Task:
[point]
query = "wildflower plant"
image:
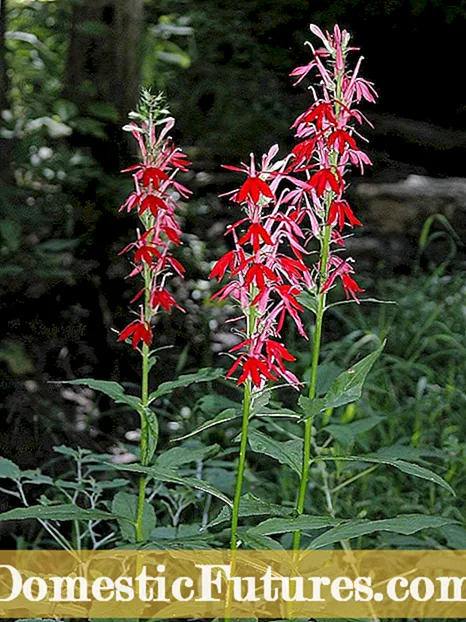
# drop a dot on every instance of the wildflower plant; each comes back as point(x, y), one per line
point(288, 206)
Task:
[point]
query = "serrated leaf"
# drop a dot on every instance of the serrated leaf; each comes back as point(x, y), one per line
point(259, 542)
point(345, 389)
point(9, 470)
point(207, 374)
point(288, 452)
point(251, 506)
point(345, 433)
point(171, 477)
point(309, 301)
point(110, 388)
point(63, 512)
point(406, 525)
point(125, 505)
point(230, 414)
point(150, 425)
point(177, 456)
point(287, 525)
point(407, 467)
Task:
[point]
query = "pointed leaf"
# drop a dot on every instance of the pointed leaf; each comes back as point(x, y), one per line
point(347, 387)
point(406, 525)
point(203, 375)
point(402, 465)
point(110, 388)
point(177, 456)
point(150, 423)
point(288, 452)
point(125, 505)
point(63, 512)
point(9, 469)
point(251, 506)
point(259, 542)
point(171, 477)
point(287, 525)
point(230, 414)
point(345, 433)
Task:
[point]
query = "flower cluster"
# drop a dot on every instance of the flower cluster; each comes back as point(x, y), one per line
point(277, 199)
point(154, 199)
point(264, 277)
point(327, 147)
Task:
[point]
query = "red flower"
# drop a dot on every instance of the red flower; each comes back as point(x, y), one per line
point(325, 180)
point(153, 175)
point(140, 330)
point(257, 370)
point(339, 210)
point(319, 114)
point(164, 299)
point(253, 188)
point(145, 253)
point(350, 286)
point(227, 261)
point(278, 352)
point(153, 203)
point(340, 138)
point(255, 233)
point(257, 274)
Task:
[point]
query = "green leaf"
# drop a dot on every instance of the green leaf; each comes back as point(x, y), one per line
point(150, 424)
point(287, 525)
point(406, 525)
point(178, 456)
point(206, 374)
point(9, 469)
point(125, 505)
point(407, 467)
point(63, 512)
point(171, 477)
point(110, 388)
point(288, 452)
point(309, 301)
point(251, 506)
point(259, 542)
point(345, 433)
point(230, 414)
point(345, 389)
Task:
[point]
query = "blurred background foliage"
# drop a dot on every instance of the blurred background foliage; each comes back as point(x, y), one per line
point(70, 71)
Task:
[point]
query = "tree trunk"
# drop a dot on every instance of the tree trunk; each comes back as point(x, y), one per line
point(103, 64)
point(6, 171)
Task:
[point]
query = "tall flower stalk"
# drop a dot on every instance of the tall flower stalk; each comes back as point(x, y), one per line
point(153, 199)
point(264, 280)
point(327, 148)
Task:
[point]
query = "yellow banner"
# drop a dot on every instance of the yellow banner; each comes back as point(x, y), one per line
point(245, 584)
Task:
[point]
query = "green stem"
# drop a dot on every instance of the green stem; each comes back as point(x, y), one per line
point(316, 342)
point(144, 402)
point(241, 465)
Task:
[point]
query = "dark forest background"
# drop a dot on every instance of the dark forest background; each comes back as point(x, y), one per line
point(71, 70)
